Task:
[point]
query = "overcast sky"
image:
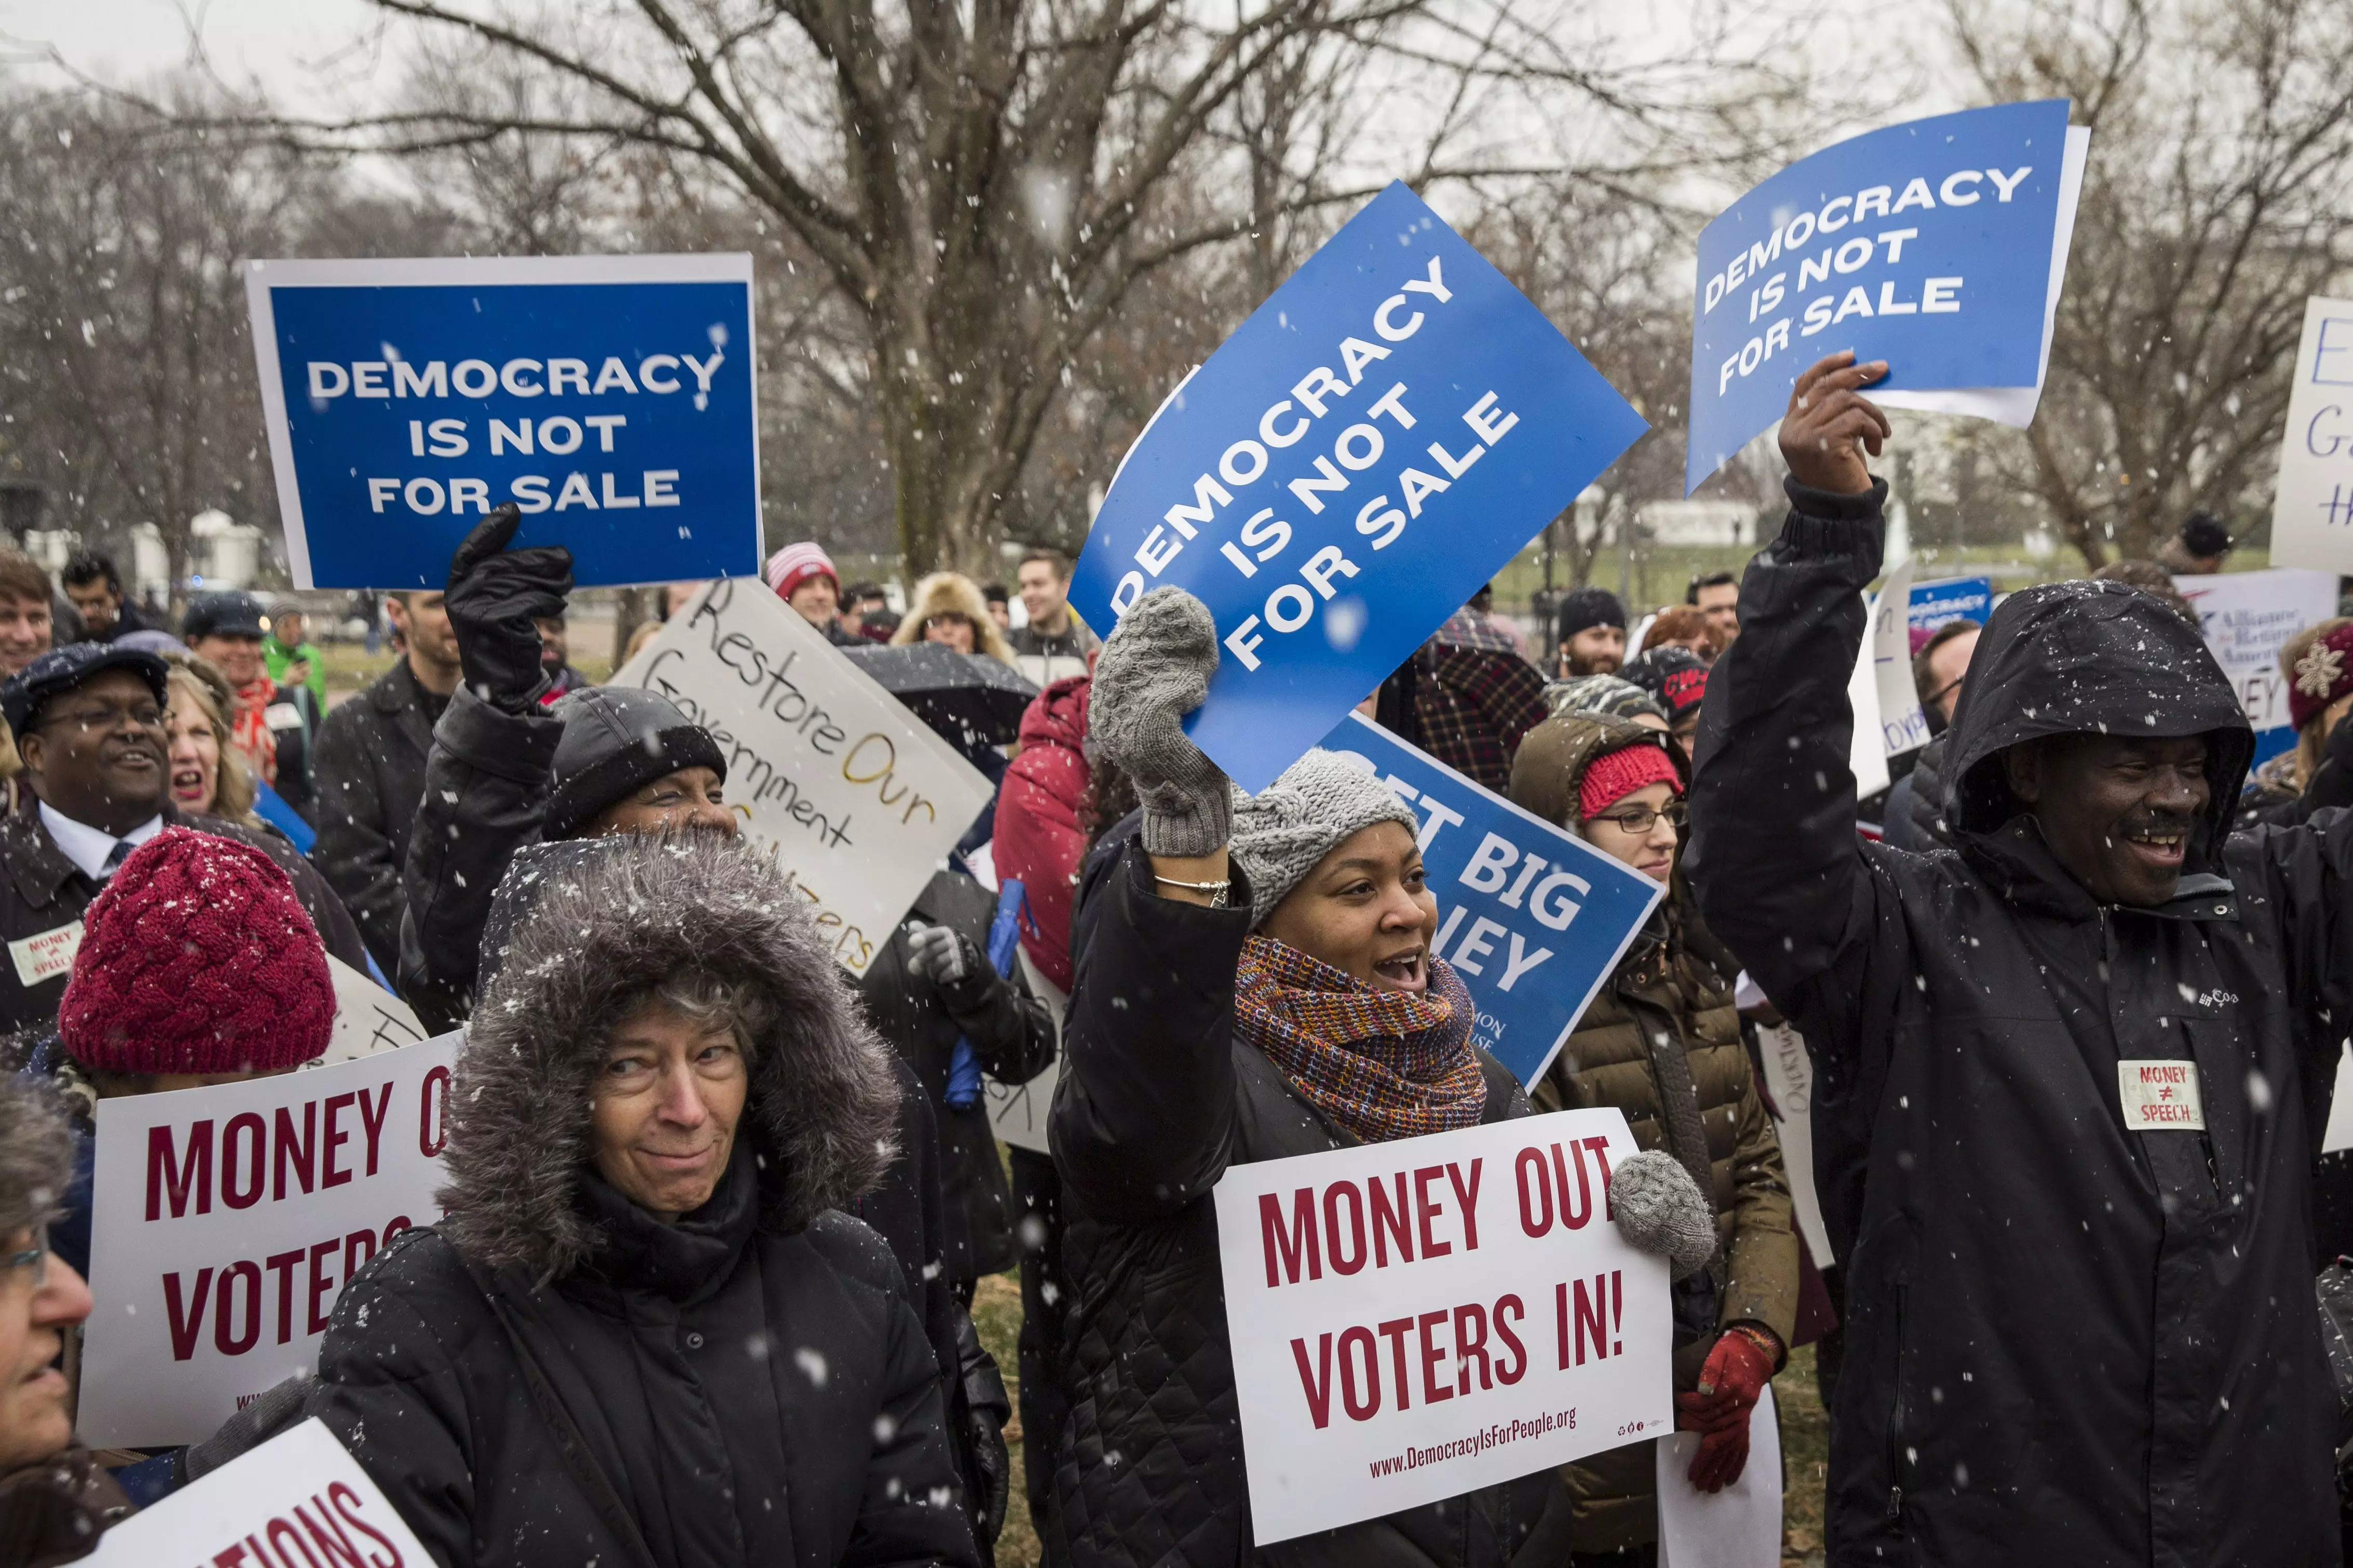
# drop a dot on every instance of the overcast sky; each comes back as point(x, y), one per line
point(311, 53)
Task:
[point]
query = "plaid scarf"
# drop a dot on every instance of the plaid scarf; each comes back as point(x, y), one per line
point(248, 729)
point(1383, 1065)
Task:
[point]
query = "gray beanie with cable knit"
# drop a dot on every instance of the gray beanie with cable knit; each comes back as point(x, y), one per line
point(1280, 833)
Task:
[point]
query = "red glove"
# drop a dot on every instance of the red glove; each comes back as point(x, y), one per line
point(1730, 1383)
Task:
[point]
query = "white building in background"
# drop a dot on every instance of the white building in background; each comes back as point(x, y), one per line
point(227, 554)
point(149, 565)
point(52, 547)
point(1702, 523)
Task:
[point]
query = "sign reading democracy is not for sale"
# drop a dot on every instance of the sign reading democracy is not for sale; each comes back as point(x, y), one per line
point(1412, 1321)
point(1391, 425)
point(856, 798)
point(224, 1221)
point(1937, 246)
point(609, 397)
point(1531, 917)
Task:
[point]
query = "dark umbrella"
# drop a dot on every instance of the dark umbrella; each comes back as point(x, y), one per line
point(963, 697)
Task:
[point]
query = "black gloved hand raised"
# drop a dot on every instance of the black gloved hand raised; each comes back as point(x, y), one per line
point(496, 598)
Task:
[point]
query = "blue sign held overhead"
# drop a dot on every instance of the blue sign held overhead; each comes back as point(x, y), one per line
point(611, 397)
point(1937, 246)
point(1950, 599)
point(1531, 916)
point(1389, 429)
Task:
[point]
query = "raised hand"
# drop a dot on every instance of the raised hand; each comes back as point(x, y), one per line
point(1830, 425)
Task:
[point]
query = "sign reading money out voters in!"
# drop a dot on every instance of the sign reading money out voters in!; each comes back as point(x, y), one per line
point(225, 1220)
point(1937, 246)
point(856, 798)
point(299, 1501)
point(2312, 512)
point(610, 397)
point(1531, 917)
point(1390, 426)
point(1412, 1321)
point(2246, 616)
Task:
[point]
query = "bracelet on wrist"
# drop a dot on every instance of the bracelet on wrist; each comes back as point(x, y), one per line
point(1217, 892)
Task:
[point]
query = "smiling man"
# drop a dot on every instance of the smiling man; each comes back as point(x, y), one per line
point(2066, 1078)
point(88, 722)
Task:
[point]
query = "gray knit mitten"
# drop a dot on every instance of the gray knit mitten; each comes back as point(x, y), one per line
point(1156, 669)
point(1660, 1210)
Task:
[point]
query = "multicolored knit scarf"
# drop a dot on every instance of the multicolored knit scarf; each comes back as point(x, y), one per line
point(248, 729)
point(1382, 1064)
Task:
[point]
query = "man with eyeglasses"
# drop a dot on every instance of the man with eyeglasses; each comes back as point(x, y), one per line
point(89, 723)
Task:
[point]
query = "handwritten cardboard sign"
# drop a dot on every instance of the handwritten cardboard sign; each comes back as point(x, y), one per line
point(1412, 1321)
point(224, 1221)
point(856, 798)
point(2312, 513)
point(368, 1018)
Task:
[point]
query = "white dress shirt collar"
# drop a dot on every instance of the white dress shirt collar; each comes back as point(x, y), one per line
point(89, 847)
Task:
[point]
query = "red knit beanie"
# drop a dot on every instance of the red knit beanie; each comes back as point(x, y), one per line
point(196, 958)
point(2323, 675)
point(1613, 776)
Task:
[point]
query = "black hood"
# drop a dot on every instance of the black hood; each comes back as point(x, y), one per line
point(615, 740)
point(2087, 657)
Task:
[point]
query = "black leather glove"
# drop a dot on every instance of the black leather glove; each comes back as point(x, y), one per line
point(987, 1408)
point(497, 597)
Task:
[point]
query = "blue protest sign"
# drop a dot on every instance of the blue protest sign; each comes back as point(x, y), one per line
point(1950, 599)
point(1531, 916)
point(1937, 246)
point(1390, 426)
point(610, 396)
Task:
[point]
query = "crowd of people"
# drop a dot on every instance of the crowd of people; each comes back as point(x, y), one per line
point(717, 1211)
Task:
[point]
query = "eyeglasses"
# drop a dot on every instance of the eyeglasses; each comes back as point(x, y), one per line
point(106, 718)
point(1640, 819)
point(34, 1258)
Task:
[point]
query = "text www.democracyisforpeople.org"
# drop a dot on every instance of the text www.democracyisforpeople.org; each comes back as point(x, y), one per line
point(1490, 1437)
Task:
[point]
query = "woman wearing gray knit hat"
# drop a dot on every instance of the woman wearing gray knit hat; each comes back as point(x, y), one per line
point(1257, 983)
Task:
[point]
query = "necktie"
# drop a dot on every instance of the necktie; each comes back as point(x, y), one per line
point(115, 859)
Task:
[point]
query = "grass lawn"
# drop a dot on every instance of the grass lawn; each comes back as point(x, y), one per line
point(1805, 1436)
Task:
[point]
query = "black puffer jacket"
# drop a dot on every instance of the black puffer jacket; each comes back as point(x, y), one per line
point(1011, 1035)
point(2066, 1343)
point(751, 1380)
point(368, 775)
point(1158, 1097)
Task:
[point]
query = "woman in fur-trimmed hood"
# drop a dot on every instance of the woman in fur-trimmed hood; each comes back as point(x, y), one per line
point(666, 1095)
point(947, 607)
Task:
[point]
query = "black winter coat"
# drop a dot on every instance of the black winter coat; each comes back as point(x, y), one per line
point(1158, 1096)
point(367, 775)
point(2066, 1343)
point(714, 1367)
point(42, 891)
point(1013, 1038)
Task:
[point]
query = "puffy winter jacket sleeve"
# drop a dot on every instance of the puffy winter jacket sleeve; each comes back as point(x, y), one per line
point(1763, 1283)
point(1010, 1030)
point(393, 1391)
point(485, 796)
point(1143, 1116)
point(1783, 878)
point(2306, 872)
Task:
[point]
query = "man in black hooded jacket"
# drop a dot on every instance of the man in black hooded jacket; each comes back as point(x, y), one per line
point(2068, 1079)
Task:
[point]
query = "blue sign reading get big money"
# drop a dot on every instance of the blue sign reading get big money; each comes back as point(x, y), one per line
point(1394, 424)
point(1531, 917)
point(609, 397)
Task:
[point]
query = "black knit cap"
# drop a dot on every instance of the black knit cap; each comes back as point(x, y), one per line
point(2203, 535)
point(1588, 607)
point(616, 741)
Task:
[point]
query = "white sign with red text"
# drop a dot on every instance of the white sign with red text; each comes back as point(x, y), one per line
point(1415, 1320)
point(299, 1499)
point(224, 1222)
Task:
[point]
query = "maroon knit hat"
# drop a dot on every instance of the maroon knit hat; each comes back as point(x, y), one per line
point(1614, 775)
point(196, 958)
point(2323, 675)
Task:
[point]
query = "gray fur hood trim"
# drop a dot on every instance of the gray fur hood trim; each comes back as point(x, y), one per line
point(610, 917)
